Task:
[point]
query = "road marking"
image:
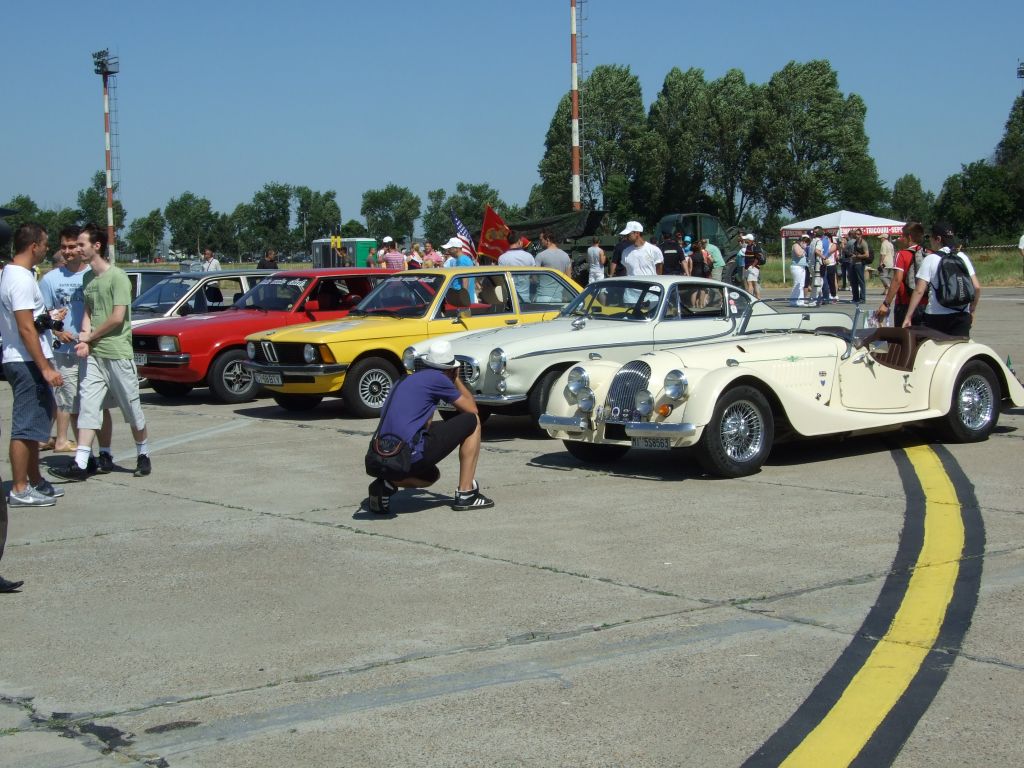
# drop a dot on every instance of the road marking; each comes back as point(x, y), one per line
point(188, 437)
point(867, 705)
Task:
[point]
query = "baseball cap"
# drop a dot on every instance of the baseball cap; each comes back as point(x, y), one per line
point(388, 239)
point(748, 237)
point(632, 226)
point(440, 356)
point(452, 243)
point(687, 239)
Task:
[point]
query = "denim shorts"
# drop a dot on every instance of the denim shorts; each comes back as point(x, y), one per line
point(33, 402)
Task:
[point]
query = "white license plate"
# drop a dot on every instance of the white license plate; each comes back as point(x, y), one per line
point(140, 359)
point(273, 379)
point(657, 443)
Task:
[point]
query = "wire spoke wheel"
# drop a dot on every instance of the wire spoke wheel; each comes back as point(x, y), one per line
point(739, 436)
point(975, 402)
point(742, 431)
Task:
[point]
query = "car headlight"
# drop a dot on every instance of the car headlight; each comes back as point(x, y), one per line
point(497, 361)
point(250, 350)
point(578, 380)
point(586, 399)
point(409, 359)
point(676, 385)
point(309, 353)
point(167, 343)
point(644, 402)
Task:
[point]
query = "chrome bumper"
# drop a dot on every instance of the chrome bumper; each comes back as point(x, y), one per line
point(166, 361)
point(659, 429)
point(563, 423)
point(499, 399)
point(295, 370)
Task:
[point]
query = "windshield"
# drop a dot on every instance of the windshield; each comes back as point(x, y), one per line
point(617, 300)
point(761, 317)
point(276, 294)
point(162, 296)
point(401, 296)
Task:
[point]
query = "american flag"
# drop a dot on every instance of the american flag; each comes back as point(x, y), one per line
point(468, 247)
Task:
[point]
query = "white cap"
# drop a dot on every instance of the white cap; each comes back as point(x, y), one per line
point(632, 226)
point(749, 238)
point(388, 239)
point(453, 243)
point(440, 356)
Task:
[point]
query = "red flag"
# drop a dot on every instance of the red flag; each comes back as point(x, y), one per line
point(493, 235)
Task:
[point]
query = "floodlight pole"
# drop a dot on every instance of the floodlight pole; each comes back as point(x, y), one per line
point(576, 199)
point(106, 65)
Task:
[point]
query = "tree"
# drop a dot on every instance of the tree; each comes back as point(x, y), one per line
point(730, 138)
point(676, 173)
point(92, 203)
point(145, 234)
point(52, 221)
point(189, 218)
point(316, 214)
point(909, 200)
point(353, 228)
point(979, 202)
point(246, 239)
point(468, 203)
point(271, 214)
point(390, 211)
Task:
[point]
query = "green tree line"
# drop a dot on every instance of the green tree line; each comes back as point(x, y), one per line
point(752, 154)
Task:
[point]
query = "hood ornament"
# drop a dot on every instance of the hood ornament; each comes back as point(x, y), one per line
point(578, 323)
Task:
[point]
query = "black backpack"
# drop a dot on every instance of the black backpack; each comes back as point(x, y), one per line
point(954, 288)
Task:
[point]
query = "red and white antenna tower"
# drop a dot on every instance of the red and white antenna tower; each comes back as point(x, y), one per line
point(108, 66)
point(577, 203)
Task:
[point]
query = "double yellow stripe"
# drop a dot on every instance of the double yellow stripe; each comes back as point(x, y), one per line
point(888, 671)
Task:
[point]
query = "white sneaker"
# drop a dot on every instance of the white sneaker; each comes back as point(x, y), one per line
point(30, 497)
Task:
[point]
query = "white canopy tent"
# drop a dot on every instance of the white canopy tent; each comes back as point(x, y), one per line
point(839, 223)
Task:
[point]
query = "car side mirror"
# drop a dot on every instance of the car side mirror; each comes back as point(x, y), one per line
point(461, 314)
point(312, 305)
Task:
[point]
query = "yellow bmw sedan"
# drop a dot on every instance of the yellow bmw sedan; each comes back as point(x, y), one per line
point(359, 357)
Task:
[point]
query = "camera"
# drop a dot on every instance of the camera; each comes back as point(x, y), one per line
point(44, 322)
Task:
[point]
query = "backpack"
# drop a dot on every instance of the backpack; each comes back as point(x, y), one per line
point(954, 288)
point(761, 259)
point(910, 276)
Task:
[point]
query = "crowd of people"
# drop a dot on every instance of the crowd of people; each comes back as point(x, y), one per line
point(67, 356)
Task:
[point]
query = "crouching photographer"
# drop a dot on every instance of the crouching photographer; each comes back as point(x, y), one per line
point(28, 366)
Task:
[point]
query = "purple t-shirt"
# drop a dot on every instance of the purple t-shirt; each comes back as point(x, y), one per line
point(420, 394)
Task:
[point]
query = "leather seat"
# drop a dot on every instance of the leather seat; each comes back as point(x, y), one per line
point(901, 347)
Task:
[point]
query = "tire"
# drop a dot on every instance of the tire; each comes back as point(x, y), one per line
point(738, 439)
point(974, 405)
point(170, 388)
point(367, 385)
point(537, 400)
point(229, 381)
point(595, 453)
point(297, 403)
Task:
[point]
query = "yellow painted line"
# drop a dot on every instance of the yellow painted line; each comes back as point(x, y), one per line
point(878, 686)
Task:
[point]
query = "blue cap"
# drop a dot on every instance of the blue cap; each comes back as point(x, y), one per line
point(687, 239)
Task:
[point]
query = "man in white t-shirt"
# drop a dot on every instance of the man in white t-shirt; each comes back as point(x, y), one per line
point(28, 366)
point(641, 257)
point(210, 263)
point(953, 322)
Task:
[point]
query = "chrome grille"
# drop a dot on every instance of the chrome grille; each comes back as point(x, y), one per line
point(468, 369)
point(631, 378)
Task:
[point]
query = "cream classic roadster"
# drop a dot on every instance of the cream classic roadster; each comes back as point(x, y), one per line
point(787, 375)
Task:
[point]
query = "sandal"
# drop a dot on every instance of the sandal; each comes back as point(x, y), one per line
point(47, 446)
point(71, 448)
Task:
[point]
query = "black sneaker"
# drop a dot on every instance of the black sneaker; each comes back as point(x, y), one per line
point(143, 467)
point(104, 464)
point(380, 493)
point(91, 466)
point(471, 500)
point(70, 473)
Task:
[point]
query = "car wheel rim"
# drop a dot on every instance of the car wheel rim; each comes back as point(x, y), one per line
point(236, 378)
point(374, 388)
point(975, 402)
point(742, 431)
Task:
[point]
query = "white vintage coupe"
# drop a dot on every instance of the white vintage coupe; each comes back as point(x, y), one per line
point(789, 375)
point(512, 370)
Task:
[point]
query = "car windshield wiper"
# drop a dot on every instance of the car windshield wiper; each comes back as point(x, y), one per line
point(386, 312)
point(144, 308)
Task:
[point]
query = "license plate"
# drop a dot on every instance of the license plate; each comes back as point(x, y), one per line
point(140, 359)
point(273, 379)
point(657, 443)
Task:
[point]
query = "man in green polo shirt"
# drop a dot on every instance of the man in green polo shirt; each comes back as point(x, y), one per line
point(106, 342)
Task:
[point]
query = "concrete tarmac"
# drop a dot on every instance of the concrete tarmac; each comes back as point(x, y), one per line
point(238, 608)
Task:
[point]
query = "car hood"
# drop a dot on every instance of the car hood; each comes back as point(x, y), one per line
point(551, 334)
point(229, 321)
point(746, 350)
point(346, 329)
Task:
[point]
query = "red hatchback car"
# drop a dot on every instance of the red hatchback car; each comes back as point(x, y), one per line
point(180, 353)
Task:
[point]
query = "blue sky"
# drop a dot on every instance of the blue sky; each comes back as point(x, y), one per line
point(221, 97)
